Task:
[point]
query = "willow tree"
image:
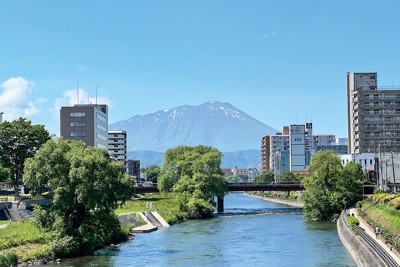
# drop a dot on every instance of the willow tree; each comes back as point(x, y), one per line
point(330, 186)
point(87, 188)
point(194, 174)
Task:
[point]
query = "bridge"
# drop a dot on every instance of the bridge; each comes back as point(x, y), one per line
point(238, 187)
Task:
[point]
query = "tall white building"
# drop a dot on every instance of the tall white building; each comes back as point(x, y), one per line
point(117, 147)
point(1, 117)
point(297, 137)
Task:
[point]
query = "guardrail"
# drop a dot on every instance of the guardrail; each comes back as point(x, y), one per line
point(383, 254)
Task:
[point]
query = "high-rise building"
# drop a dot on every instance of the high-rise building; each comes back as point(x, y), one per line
point(265, 152)
point(85, 122)
point(117, 147)
point(297, 139)
point(373, 115)
point(1, 117)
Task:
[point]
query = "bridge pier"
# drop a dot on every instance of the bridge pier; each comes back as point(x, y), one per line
point(220, 204)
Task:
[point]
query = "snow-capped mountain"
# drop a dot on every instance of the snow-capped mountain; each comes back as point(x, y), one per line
point(216, 124)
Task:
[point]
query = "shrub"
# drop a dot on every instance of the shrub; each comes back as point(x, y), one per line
point(8, 259)
point(65, 246)
point(378, 196)
point(352, 220)
point(387, 198)
point(199, 208)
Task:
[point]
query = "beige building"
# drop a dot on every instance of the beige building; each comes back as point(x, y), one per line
point(373, 115)
point(265, 153)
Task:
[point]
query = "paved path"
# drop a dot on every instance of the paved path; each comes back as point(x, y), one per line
point(3, 225)
point(370, 231)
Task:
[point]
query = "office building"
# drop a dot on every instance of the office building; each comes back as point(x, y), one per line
point(85, 122)
point(292, 149)
point(373, 115)
point(117, 147)
point(134, 169)
point(1, 117)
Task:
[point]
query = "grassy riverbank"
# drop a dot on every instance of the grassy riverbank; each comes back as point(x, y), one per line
point(26, 242)
point(382, 212)
point(165, 204)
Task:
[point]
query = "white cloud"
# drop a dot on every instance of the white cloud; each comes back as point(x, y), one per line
point(73, 97)
point(15, 99)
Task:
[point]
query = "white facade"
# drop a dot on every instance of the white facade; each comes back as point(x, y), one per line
point(1, 117)
point(117, 147)
point(278, 144)
point(297, 134)
point(341, 141)
point(365, 160)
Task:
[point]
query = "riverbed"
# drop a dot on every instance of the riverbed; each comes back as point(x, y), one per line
point(251, 232)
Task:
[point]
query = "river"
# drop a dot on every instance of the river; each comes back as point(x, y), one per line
point(252, 232)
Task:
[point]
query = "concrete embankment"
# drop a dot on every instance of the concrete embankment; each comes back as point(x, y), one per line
point(359, 250)
point(290, 202)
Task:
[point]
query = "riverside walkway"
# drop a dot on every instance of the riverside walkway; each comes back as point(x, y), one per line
point(370, 232)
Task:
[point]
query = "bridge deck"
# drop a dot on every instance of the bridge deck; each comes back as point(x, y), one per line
point(235, 187)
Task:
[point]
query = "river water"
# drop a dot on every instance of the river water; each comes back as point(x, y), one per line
point(252, 232)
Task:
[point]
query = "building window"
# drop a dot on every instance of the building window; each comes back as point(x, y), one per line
point(102, 137)
point(78, 134)
point(77, 124)
point(101, 117)
point(77, 114)
point(100, 145)
point(101, 127)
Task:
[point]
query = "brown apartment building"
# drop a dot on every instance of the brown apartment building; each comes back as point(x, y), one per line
point(373, 115)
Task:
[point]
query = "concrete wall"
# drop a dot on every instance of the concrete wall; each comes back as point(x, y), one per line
point(359, 250)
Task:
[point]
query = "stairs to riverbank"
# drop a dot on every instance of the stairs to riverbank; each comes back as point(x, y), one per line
point(17, 214)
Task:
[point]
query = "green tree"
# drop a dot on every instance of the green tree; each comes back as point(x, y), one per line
point(194, 174)
point(330, 187)
point(19, 140)
point(265, 177)
point(287, 176)
point(152, 172)
point(87, 188)
point(232, 178)
point(5, 174)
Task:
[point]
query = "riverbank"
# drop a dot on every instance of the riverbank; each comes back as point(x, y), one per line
point(289, 202)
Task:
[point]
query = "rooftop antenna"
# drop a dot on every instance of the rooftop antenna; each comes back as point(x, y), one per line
point(77, 90)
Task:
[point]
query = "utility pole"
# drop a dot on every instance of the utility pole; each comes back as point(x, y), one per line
point(380, 162)
point(394, 179)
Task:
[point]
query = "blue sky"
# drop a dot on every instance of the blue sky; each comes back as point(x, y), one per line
point(280, 61)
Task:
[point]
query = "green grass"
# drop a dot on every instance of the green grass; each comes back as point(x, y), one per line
point(4, 222)
point(164, 204)
point(351, 220)
point(26, 240)
point(386, 217)
point(21, 233)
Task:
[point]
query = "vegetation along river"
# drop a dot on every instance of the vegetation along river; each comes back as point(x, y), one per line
point(252, 232)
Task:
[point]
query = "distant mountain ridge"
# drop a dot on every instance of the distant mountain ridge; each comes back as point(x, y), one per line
point(216, 124)
point(241, 159)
